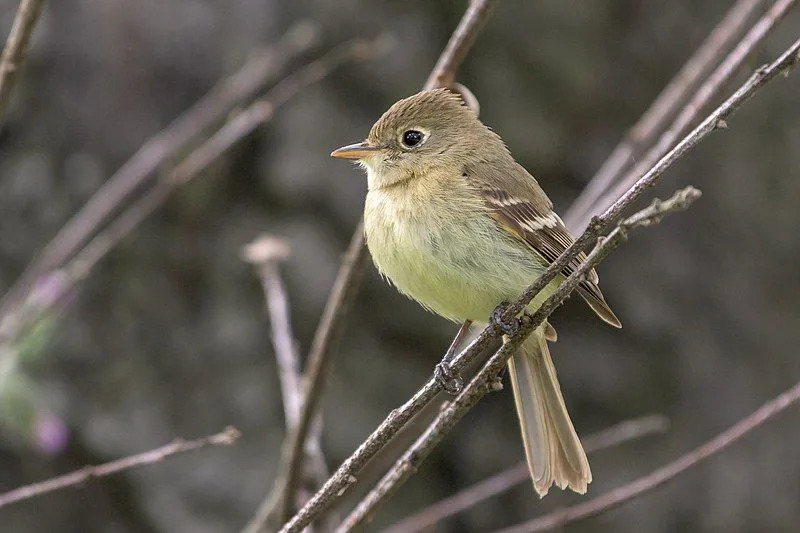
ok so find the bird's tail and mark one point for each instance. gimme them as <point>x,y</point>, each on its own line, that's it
<point>554,452</point>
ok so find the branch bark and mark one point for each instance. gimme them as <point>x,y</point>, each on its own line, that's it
<point>664,474</point>
<point>693,108</point>
<point>16,47</point>
<point>492,486</point>
<point>482,383</point>
<point>642,134</point>
<point>78,478</point>
<point>345,475</point>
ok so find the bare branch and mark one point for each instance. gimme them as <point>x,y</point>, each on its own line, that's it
<point>718,43</point>
<point>78,478</point>
<point>265,65</point>
<point>462,39</point>
<point>17,47</point>
<point>513,476</point>
<point>664,474</point>
<point>481,384</point>
<point>708,90</point>
<point>345,475</point>
<point>266,253</point>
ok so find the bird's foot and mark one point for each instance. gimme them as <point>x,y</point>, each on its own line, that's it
<point>506,327</point>
<point>450,381</point>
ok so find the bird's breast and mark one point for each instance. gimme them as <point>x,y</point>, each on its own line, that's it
<point>437,245</point>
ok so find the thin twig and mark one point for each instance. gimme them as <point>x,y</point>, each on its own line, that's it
<point>350,272</point>
<point>78,478</point>
<point>462,39</point>
<point>664,474</point>
<point>708,90</point>
<point>345,475</point>
<point>492,486</point>
<point>642,134</point>
<point>264,66</point>
<point>481,384</point>
<point>16,47</point>
<point>266,253</point>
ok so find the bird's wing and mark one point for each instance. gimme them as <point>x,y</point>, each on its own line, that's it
<point>520,207</point>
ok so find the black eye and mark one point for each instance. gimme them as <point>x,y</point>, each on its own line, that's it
<point>412,138</point>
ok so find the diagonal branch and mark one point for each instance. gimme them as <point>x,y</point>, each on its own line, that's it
<point>692,109</point>
<point>78,478</point>
<point>482,384</point>
<point>498,483</point>
<point>345,475</point>
<point>642,134</point>
<point>17,47</point>
<point>664,474</point>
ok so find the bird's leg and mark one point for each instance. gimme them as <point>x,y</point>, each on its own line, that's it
<point>444,375</point>
<point>506,327</point>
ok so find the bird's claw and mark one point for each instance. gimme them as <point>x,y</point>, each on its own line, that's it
<point>450,381</point>
<point>506,327</point>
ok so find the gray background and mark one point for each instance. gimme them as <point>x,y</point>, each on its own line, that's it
<point>168,336</point>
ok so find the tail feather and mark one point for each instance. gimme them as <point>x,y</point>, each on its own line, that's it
<point>554,452</point>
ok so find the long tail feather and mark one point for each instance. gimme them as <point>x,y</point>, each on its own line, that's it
<point>552,448</point>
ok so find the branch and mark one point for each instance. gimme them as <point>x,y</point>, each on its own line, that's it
<point>462,39</point>
<point>263,67</point>
<point>351,272</point>
<point>718,43</point>
<point>509,478</point>
<point>664,474</point>
<point>266,253</point>
<point>78,478</point>
<point>345,475</point>
<point>482,384</point>
<point>687,116</point>
<point>17,47</point>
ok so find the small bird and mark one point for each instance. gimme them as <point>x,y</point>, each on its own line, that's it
<point>455,223</point>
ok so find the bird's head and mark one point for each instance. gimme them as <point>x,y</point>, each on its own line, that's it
<point>420,133</point>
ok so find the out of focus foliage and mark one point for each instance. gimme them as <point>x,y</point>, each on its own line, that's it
<point>168,336</point>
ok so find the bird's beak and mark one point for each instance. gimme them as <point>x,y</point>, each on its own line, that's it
<point>355,151</point>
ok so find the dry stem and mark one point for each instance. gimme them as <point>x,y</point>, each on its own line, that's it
<point>17,47</point>
<point>78,478</point>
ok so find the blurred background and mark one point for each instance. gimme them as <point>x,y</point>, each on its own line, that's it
<point>168,336</point>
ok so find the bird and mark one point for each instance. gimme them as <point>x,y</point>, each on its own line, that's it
<point>455,223</point>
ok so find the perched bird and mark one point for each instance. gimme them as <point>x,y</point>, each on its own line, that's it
<point>459,226</point>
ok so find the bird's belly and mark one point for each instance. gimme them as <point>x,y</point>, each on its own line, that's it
<point>460,267</point>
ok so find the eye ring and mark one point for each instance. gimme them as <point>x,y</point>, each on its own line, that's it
<point>412,138</point>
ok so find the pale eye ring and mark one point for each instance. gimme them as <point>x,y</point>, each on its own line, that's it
<point>412,138</point>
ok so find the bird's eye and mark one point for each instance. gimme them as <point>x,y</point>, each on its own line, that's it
<point>412,138</point>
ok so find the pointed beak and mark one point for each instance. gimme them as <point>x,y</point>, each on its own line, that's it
<point>355,151</point>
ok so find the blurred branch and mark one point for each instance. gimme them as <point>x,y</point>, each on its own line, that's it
<point>664,474</point>
<point>266,253</point>
<point>16,47</point>
<point>642,134</point>
<point>78,478</point>
<point>492,486</point>
<point>345,475</point>
<point>462,39</point>
<point>707,91</point>
<point>350,272</point>
<point>481,384</point>
<point>264,66</point>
